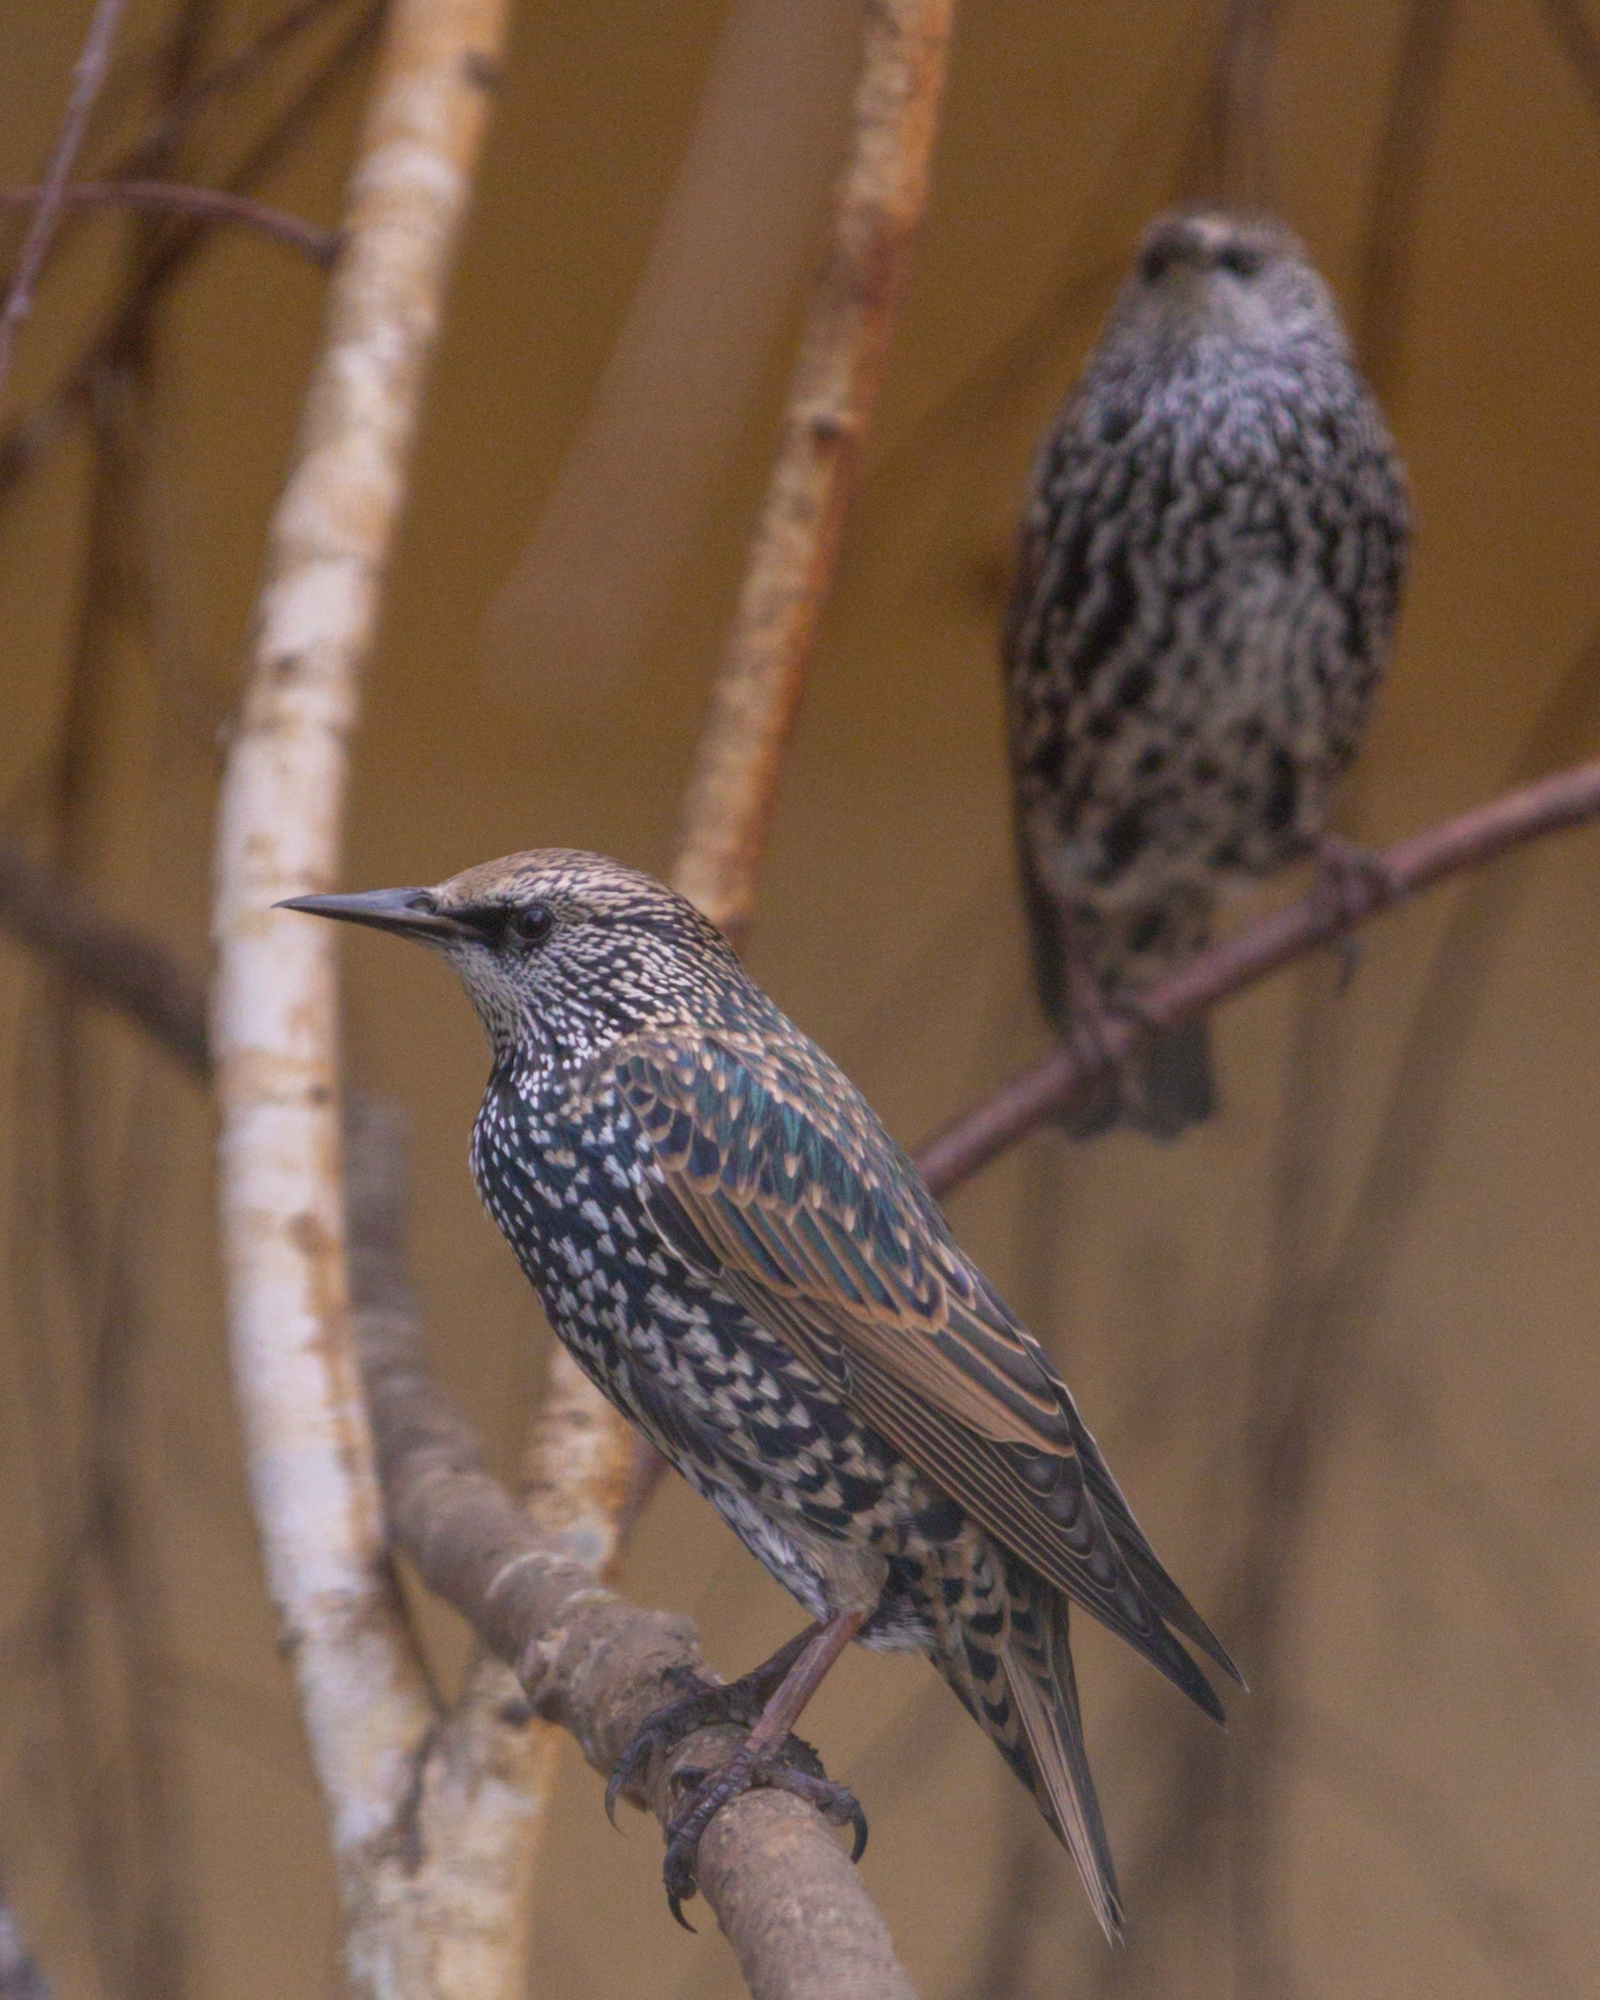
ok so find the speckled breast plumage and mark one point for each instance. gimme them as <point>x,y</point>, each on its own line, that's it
<point>747,1423</point>
<point>1216,542</point>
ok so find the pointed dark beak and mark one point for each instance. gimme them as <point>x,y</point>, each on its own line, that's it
<point>409,912</point>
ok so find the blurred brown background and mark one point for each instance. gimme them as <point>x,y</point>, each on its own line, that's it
<point>1340,1345</point>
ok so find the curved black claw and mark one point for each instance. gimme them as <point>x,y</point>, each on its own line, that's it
<point>796,1768</point>
<point>1350,882</point>
<point>837,1804</point>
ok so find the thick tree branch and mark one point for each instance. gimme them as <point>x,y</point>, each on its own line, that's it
<point>456,1884</point>
<point>1571,798</point>
<point>837,375</point>
<point>529,1583</point>
<point>88,75</point>
<point>204,204</point>
<point>365,1700</point>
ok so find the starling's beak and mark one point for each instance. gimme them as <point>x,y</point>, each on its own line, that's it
<point>411,913</point>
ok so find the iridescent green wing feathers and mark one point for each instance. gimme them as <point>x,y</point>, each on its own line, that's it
<point>774,1177</point>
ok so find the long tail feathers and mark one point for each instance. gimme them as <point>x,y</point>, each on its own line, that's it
<point>1137,1553</point>
<point>1038,1668</point>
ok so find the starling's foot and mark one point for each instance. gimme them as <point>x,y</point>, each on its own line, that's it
<point>1098,1024</point>
<point>1096,1034</point>
<point>1351,881</point>
<point>795,1767</point>
<point>701,1704</point>
<point>1111,1062</point>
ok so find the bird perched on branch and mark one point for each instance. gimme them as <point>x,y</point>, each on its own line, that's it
<point>744,1262</point>
<point>1210,568</point>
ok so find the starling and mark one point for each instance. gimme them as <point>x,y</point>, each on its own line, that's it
<point>739,1256</point>
<point>1210,567</point>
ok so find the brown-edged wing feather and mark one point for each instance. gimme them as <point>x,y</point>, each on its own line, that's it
<point>772,1175</point>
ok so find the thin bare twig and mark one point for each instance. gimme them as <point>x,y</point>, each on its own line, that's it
<point>843,350</point>
<point>87,77</point>
<point>205,204</point>
<point>104,960</point>
<point>1024,1101</point>
<point>28,436</point>
<point>177,117</point>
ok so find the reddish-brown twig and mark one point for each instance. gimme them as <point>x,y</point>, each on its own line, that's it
<point>205,204</point>
<point>87,77</point>
<point>835,385</point>
<point>978,1136</point>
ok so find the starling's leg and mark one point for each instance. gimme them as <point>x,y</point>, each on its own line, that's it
<point>1351,880</point>
<point>760,1760</point>
<point>1098,1022</point>
<point>702,1705</point>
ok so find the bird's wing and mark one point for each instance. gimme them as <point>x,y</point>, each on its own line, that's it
<point>772,1175</point>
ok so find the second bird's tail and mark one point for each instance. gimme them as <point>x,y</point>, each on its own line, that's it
<point>1170,1084</point>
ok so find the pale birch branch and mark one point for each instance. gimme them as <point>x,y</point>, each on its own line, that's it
<point>274,1037</point>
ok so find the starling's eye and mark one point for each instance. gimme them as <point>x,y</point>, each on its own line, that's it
<point>1153,264</point>
<point>533,924</point>
<point>1238,258</point>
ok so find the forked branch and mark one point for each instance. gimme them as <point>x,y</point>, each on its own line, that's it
<point>203,204</point>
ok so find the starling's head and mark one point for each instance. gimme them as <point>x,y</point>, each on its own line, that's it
<point>1205,271</point>
<point>560,951</point>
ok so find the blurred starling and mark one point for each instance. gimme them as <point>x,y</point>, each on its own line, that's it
<point>1210,567</point>
<point>744,1262</point>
